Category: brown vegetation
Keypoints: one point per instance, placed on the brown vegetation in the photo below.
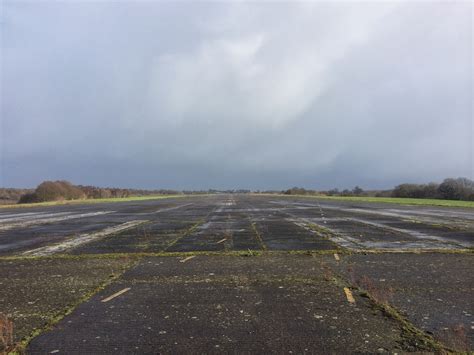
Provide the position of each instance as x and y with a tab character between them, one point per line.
64	190
449	189
53	191
454	337
10	195
6	334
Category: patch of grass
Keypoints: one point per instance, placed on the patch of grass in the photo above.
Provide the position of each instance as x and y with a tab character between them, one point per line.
92	201
394	200
258	236
6	334
249	252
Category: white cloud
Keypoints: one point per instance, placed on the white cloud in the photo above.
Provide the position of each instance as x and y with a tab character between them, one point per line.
287	92
268	76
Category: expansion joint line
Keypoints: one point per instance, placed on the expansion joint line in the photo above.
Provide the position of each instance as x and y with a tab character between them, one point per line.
406	326
189	230
185	234
325	232
258	236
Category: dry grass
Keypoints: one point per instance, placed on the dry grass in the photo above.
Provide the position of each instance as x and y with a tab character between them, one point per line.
379	292
94	200
6	334
455	337
393	200
328	274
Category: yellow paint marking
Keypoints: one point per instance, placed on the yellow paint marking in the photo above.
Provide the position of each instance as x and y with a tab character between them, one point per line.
116	294
221	241
186	259
336	256
349	296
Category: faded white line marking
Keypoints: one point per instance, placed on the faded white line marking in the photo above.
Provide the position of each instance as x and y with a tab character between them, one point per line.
51	220
336	237
116	294
411	233
426	215
352	243
21	214
82	239
38	215
344	240
162	210
186	259
173	208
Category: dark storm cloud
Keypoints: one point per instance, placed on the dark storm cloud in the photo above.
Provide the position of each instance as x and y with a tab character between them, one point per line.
259	95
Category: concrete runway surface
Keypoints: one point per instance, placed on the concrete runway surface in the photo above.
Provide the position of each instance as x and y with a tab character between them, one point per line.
232	222
260	274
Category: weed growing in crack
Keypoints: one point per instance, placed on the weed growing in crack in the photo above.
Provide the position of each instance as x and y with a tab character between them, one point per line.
379	292
454	337
328	274
6	334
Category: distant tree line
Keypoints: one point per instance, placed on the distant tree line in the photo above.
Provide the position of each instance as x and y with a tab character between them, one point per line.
449	189
299	191
356	191
11	195
111	192
214	191
64	190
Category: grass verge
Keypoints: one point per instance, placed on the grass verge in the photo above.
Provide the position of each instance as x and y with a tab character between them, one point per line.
92	201
393	200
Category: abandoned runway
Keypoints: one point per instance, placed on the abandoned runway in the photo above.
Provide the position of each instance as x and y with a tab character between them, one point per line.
238	273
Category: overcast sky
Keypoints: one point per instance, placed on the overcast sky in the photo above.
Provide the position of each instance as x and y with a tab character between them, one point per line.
235	94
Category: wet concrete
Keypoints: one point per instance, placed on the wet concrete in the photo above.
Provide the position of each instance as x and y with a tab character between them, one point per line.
268	302
37	233
239	222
